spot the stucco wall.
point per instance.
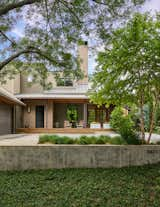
(74, 156)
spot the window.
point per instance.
(64, 82)
(91, 115)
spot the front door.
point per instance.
(39, 116)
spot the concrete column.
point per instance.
(49, 116)
(85, 113)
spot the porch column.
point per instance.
(85, 114)
(49, 114)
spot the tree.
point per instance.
(129, 70)
(52, 30)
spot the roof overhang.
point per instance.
(52, 96)
(9, 98)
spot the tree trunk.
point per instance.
(153, 111)
(142, 119)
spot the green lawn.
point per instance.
(136, 186)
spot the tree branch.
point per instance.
(7, 38)
(4, 10)
(100, 2)
(31, 50)
(12, 57)
(71, 10)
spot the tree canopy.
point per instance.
(129, 69)
(52, 29)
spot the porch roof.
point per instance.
(8, 97)
(52, 96)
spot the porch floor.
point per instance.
(62, 130)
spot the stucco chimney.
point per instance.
(83, 56)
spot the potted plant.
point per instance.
(72, 115)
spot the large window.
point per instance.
(96, 114)
(91, 115)
(64, 82)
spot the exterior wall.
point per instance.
(13, 86)
(18, 116)
(27, 88)
(17, 84)
(74, 156)
(5, 119)
(29, 118)
(83, 56)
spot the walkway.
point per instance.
(32, 139)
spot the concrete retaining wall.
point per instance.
(73, 156)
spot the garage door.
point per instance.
(5, 119)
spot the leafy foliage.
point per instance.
(128, 70)
(55, 139)
(52, 30)
(72, 113)
(124, 125)
(83, 140)
(131, 186)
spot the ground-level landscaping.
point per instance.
(135, 186)
(84, 140)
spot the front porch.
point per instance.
(51, 116)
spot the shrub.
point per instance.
(86, 140)
(124, 125)
(64, 140)
(46, 138)
(157, 130)
(103, 139)
(55, 139)
(93, 140)
(117, 140)
(100, 141)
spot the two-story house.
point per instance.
(66, 105)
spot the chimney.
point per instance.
(83, 56)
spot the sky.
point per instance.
(150, 5)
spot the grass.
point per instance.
(83, 140)
(126, 187)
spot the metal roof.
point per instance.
(51, 96)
